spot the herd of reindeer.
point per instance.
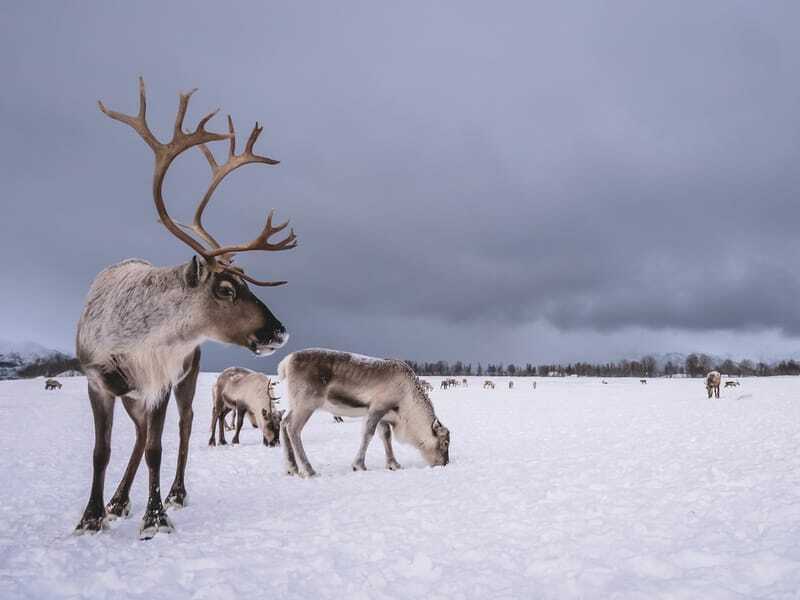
(139, 339)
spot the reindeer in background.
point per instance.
(713, 379)
(245, 392)
(140, 332)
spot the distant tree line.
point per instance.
(50, 366)
(695, 365)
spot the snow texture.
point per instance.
(573, 490)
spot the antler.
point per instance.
(218, 258)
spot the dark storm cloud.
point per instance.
(460, 175)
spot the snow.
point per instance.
(573, 490)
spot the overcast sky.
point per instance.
(476, 181)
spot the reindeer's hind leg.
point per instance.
(386, 436)
(239, 419)
(120, 503)
(297, 418)
(184, 396)
(370, 425)
(288, 453)
(155, 517)
(103, 411)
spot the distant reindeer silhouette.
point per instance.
(644, 381)
(488, 384)
(731, 384)
(52, 384)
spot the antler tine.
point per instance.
(240, 273)
(262, 241)
(139, 122)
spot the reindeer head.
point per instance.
(232, 313)
(436, 450)
(271, 418)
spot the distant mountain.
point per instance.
(29, 359)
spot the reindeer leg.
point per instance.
(239, 414)
(288, 452)
(386, 436)
(298, 419)
(221, 423)
(370, 425)
(155, 517)
(184, 396)
(103, 411)
(120, 503)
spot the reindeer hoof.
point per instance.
(223, 443)
(91, 525)
(393, 465)
(235, 441)
(118, 508)
(176, 499)
(212, 442)
(154, 522)
(359, 466)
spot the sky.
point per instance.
(487, 182)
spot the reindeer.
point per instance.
(511, 385)
(445, 384)
(52, 384)
(731, 384)
(425, 385)
(140, 332)
(488, 384)
(643, 381)
(386, 392)
(712, 383)
(245, 392)
(464, 382)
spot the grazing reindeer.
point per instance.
(425, 385)
(488, 384)
(445, 384)
(386, 392)
(643, 381)
(731, 384)
(511, 385)
(464, 382)
(140, 332)
(713, 380)
(245, 392)
(52, 384)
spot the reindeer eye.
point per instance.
(226, 290)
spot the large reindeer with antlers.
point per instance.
(140, 331)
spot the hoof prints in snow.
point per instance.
(575, 489)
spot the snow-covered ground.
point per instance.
(576, 489)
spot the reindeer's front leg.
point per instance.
(155, 517)
(370, 425)
(103, 411)
(386, 436)
(120, 503)
(184, 396)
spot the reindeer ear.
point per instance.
(436, 425)
(195, 272)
